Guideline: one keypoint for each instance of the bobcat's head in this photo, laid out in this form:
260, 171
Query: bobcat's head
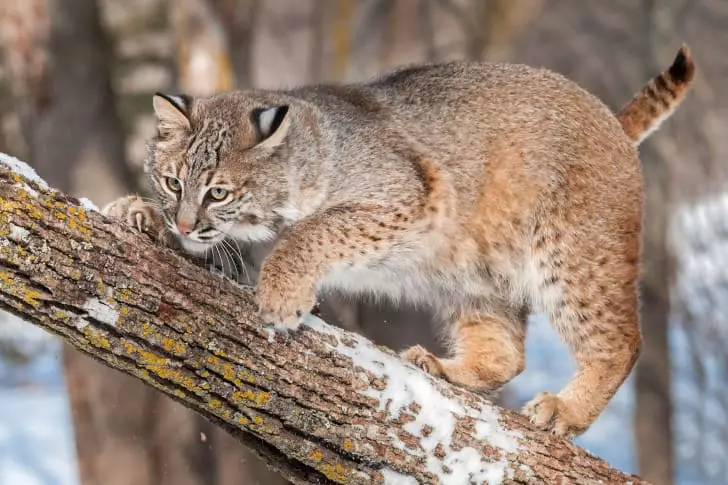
222, 167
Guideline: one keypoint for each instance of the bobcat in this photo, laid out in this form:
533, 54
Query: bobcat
484, 191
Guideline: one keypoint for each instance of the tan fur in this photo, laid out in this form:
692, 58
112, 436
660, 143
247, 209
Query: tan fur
484, 191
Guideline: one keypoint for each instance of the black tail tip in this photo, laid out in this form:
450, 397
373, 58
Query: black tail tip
682, 69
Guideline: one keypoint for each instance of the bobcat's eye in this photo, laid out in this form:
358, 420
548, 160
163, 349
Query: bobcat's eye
173, 184
218, 193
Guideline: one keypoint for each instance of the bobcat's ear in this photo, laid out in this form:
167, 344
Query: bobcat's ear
272, 125
172, 111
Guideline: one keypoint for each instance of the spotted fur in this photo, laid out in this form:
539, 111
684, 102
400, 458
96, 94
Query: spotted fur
484, 191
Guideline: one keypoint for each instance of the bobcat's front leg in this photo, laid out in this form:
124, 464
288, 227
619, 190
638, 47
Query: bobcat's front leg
139, 214
289, 276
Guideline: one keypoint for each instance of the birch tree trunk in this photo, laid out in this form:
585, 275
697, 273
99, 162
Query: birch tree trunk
320, 405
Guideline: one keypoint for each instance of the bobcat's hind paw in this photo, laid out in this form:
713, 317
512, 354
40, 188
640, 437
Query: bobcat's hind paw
552, 413
420, 357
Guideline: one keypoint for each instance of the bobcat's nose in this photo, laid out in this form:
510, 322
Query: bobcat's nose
185, 226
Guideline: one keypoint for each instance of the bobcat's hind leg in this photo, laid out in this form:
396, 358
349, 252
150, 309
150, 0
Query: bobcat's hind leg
588, 288
488, 352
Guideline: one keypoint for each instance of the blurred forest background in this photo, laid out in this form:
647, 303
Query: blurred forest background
76, 80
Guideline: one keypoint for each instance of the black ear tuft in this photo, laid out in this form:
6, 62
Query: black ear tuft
172, 111
182, 102
268, 120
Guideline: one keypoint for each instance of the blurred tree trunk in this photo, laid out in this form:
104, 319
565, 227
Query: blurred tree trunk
204, 65
342, 40
214, 53
653, 429
239, 18
318, 22
492, 26
76, 141
125, 432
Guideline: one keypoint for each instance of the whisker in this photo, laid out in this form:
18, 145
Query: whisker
236, 249
242, 259
231, 261
233, 255
216, 253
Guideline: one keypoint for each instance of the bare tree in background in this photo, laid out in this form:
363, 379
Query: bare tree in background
654, 403
204, 64
61, 64
76, 142
491, 26
206, 32
239, 18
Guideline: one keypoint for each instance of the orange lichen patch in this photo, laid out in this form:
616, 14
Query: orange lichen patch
161, 367
96, 337
348, 445
16, 254
260, 398
336, 472
62, 315
169, 344
228, 371
123, 295
21, 203
16, 287
225, 414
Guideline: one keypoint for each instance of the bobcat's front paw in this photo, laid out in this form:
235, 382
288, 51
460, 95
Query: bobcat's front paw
137, 213
282, 305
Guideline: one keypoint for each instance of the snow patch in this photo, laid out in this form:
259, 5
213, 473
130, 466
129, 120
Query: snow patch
18, 233
88, 205
437, 415
101, 311
392, 477
80, 323
271, 334
22, 168
25, 170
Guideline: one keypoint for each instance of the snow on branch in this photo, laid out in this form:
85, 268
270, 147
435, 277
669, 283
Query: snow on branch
321, 405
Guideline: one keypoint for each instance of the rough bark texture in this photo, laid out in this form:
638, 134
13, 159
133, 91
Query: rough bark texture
310, 410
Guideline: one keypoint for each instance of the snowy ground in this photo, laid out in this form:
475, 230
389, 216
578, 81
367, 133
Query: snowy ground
36, 436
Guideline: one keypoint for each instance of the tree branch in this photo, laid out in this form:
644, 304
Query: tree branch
321, 405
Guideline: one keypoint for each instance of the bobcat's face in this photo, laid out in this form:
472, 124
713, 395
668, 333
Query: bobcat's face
219, 167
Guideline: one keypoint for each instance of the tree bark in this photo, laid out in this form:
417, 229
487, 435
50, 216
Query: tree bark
321, 405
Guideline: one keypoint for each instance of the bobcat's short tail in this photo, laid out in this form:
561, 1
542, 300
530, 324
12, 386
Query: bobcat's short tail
658, 99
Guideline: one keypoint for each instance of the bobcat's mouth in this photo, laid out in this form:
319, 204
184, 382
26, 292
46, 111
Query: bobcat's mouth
197, 248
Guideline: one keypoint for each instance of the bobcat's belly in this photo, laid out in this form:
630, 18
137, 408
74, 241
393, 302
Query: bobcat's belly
411, 280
